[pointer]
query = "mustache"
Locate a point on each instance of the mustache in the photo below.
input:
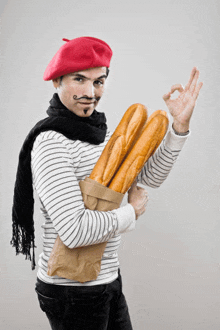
(86, 98)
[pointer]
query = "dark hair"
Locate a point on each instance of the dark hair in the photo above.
(107, 73)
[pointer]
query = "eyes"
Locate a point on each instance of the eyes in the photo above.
(98, 83)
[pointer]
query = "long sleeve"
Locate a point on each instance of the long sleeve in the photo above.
(158, 167)
(55, 175)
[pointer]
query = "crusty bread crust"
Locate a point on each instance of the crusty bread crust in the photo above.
(149, 140)
(119, 144)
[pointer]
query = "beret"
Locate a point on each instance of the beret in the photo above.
(78, 54)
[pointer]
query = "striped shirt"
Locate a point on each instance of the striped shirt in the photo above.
(58, 164)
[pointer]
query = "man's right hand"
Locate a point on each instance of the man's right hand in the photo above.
(138, 198)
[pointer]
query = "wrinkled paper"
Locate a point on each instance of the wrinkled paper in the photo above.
(84, 263)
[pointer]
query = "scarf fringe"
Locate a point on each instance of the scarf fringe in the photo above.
(23, 243)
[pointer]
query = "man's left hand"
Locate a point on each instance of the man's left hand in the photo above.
(182, 107)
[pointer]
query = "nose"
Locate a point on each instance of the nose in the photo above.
(89, 90)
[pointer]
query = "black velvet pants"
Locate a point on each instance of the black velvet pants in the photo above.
(100, 307)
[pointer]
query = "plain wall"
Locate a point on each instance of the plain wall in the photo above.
(170, 263)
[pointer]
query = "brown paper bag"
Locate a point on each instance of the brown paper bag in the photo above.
(84, 263)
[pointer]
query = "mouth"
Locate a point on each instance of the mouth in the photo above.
(86, 103)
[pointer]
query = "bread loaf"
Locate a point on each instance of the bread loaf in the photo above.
(150, 138)
(120, 142)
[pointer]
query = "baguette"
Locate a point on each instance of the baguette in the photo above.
(120, 142)
(150, 138)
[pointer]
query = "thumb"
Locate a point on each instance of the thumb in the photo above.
(134, 185)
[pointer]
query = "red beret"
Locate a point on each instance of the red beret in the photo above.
(78, 54)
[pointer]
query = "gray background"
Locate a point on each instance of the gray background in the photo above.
(170, 263)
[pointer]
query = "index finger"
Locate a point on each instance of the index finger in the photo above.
(193, 72)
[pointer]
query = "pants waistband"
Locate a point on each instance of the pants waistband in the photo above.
(56, 289)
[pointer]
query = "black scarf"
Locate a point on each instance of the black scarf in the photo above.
(87, 129)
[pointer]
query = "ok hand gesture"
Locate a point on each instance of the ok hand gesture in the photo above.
(182, 107)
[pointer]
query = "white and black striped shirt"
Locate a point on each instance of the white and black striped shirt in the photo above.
(58, 164)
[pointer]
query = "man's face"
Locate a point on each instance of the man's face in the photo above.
(81, 91)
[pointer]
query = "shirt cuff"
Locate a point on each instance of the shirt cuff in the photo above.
(126, 218)
(174, 141)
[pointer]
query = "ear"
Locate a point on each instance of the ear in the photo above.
(56, 82)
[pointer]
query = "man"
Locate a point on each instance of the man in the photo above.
(60, 151)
